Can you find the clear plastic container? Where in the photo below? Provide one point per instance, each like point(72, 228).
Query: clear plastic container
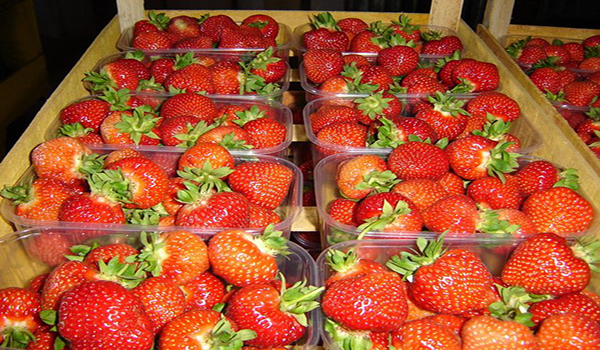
point(284, 41)
point(326, 191)
point(288, 210)
point(521, 128)
point(20, 263)
point(282, 115)
point(300, 30)
point(284, 83)
point(382, 250)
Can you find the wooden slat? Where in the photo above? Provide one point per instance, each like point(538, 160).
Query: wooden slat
point(446, 13)
point(553, 32)
point(130, 11)
point(497, 16)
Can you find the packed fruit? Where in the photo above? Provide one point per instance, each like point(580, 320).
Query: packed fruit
point(181, 120)
point(432, 296)
point(205, 187)
point(163, 291)
point(397, 70)
point(355, 35)
point(237, 74)
point(474, 186)
point(159, 32)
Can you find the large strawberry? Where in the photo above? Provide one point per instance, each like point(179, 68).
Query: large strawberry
point(326, 35)
point(139, 127)
point(476, 76)
point(422, 192)
point(577, 303)
point(418, 160)
point(232, 251)
point(569, 332)
point(40, 200)
point(192, 77)
point(399, 60)
point(189, 103)
point(321, 64)
point(89, 113)
point(263, 183)
point(63, 278)
point(447, 116)
point(213, 26)
point(204, 152)
point(486, 332)
point(19, 316)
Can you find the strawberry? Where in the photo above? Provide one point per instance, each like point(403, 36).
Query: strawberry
point(587, 129)
point(590, 63)
point(398, 60)
point(178, 131)
point(197, 156)
point(161, 68)
point(367, 41)
point(406, 29)
point(377, 76)
point(265, 133)
point(455, 323)
point(581, 93)
point(349, 266)
point(155, 22)
point(392, 133)
point(559, 210)
point(203, 292)
point(455, 213)
point(213, 26)
point(371, 340)
point(40, 200)
point(342, 210)
point(413, 77)
point(358, 177)
point(426, 85)
point(123, 73)
point(575, 303)
point(331, 114)
point(105, 253)
point(546, 79)
point(244, 37)
point(139, 127)
point(261, 217)
point(476, 76)
point(473, 157)
point(321, 64)
point(45, 339)
point(531, 55)
point(199, 329)
point(352, 25)
point(19, 309)
point(422, 192)
point(227, 77)
point(495, 103)
point(184, 26)
point(359, 60)
point(100, 314)
point(504, 222)
point(50, 247)
point(189, 104)
point(536, 176)
point(490, 192)
point(267, 25)
point(569, 332)
point(385, 311)
point(559, 52)
point(388, 212)
point(378, 105)
point(486, 332)
point(89, 113)
point(63, 278)
point(230, 137)
point(263, 183)
point(452, 183)
point(418, 160)
point(447, 116)
point(444, 46)
point(326, 35)
point(412, 335)
point(277, 316)
point(150, 41)
point(191, 78)
point(37, 283)
point(176, 256)
point(342, 134)
point(471, 287)
point(162, 300)
point(552, 266)
point(197, 42)
point(270, 68)
point(65, 159)
point(95, 207)
point(121, 154)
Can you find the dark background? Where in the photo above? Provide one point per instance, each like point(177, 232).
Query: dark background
point(67, 27)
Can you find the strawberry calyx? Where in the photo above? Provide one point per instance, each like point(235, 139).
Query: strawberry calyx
point(382, 30)
point(91, 164)
point(222, 336)
point(263, 59)
point(248, 115)
point(594, 114)
point(591, 51)
point(203, 18)
point(388, 215)
point(160, 20)
point(379, 181)
point(100, 80)
point(182, 61)
point(427, 252)
point(81, 251)
point(16, 337)
point(110, 184)
point(447, 104)
point(128, 274)
point(152, 254)
point(491, 224)
point(338, 236)
point(559, 97)
point(373, 105)
point(74, 130)
point(351, 71)
point(193, 194)
point(194, 132)
point(588, 249)
point(347, 339)
point(146, 217)
point(440, 63)
point(549, 62)
point(431, 35)
point(19, 194)
point(396, 88)
point(149, 84)
point(568, 178)
point(515, 305)
point(230, 142)
point(141, 123)
point(501, 161)
point(272, 242)
point(255, 84)
point(388, 135)
point(299, 299)
point(324, 20)
point(207, 176)
point(404, 22)
point(340, 261)
point(137, 55)
point(116, 98)
point(495, 129)
point(399, 40)
point(515, 49)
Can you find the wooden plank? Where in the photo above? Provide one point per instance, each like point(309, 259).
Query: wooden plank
point(497, 16)
point(130, 11)
point(552, 32)
point(446, 13)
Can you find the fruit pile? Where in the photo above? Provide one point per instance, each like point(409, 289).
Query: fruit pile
point(447, 298)
point(531, 52)
point(159, 32)
point(474, 185)
point(169, 291)
point(395, 70)
point(210, 74)
point(382, 121)
point(355, 35)
point(207, 188)
point(182, 120)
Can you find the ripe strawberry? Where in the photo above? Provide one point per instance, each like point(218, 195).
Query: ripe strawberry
point(244, 37)
point(576, 303)
point(321, 64)
point(161, 68)
point(447, 116)
point(576, 51)
point(44, 339)
point(422, 192)
point(150, 41)
point(105, 253)
point(189, 104)
point(367, 41)
point(559, 210)
point(139, 127)
point(398, 60)
point(341, 335)
point(531, 55)
point(378, 76)
point(263, 183)
point(352, 25)
point(349, 266)
point(444, 46)
point(348, 135)
point(490, 192)
point(277, 316)
point(385, 312)
point(89, 113)
point(100, 314)
point(331, 114)
point(37, 283)
point(471, 287)
point(50, 247)
point(552, 266)
point(412, 77)
point(213, 26)
point(123, 73)
point(536, 176)
point(388, 212)
point(197, 42)
point(457, 214)
point(65, 159)
point(261, 217)
point(358, 177)
point(216, 155)
point(588, 128)
point(326, 35)
point(121, 154)
point(176, 256)
point(504, 222)
point(184, 27)
point(63, 278)
point(91, 208)
point(40, 200)
point(569, 332)
point(359, 61)
point(426, 85)
point(412, 335)
point(495, 103)
point(546, 79)
point(378, 105)
point(270, 68)
point(392, 133)
point(486, 332)
point(162, 300)
point(155, 22)
point(227, 78)
point(476, 76)
point(581, 93)
point(19, 312)
point(230, 137)
point(178, 131)
point(418, 160)
point(267, 25)
point(265, 133)
point(559, 52)
point(342, 210)
point(590, 63)
point(191, 78)
point(452, 183)
point(203, 292)
point(406, 29)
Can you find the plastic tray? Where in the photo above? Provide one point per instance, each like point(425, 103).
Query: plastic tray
point(383, 250)
point(521, 128)
point(284, 82)
point(288, 210)
point(19, 267)
point(326, 191)
point(283, 115)
point(301, 29)
point(284, 41)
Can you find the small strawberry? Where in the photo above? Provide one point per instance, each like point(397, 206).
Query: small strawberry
point(377, 76)
point(447, 116)
point(418, 160)
point(388, 212)
point(457, 214)
point(267, 25)
point(203, 292)
point(19, 312)
point(434, 45)
point(263, 183)
point(342, 210)
point(321, 64)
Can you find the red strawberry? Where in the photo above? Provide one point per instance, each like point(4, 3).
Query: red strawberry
point(531, 55)
point(552, 266)
point(267, 25)
point(576, 303)
point(576, 51)
point(336, 85)
point(161, 68)
point(444, 46)
point(486, 332)
point(263, 183)
point(452, 183)
point(418, 160)
point(213, 26)
point(197, 42)
point(91, 208)
point(162, 300)
point(123, 73)
point(490, 192)
point(367, 41)
point(504, 222)
point(203, 292)
point(422, 192)
point(495, 103)
point(569, 331)
point(41, 200)
point(424, 84)
point(196, 157)
point(393, 133)
point(406, 29)
point(19, 312)
point(455, 213)
point(230, 137)
point(342, 210)
point(326, 35)
point(179, 131)
point(388, 212)
point(184, 27)
point(331, 114)
point(412, 335)
point(63, 278)
point(89, 113)
point(358, 177)
point(261, 217)
point(359, 60)
point(150, 41)
point(536, 176)
point(342, 134)
point(227, 77)
point(191, 78)
point(270, 68)
point(139, 127)
point(265, 133)
point(155, 22)
point(398, 60)
point(546, 79)
point(378, 105)
point(559, 52)
point(447, 116)
point(192, 104)
point(590, 63)
point(321, 64)
point(352, 25)
point(348, 266)
point(581, 93)
point(378, 76)
point(37, 283)
point(476, 76)
point(44, 339)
